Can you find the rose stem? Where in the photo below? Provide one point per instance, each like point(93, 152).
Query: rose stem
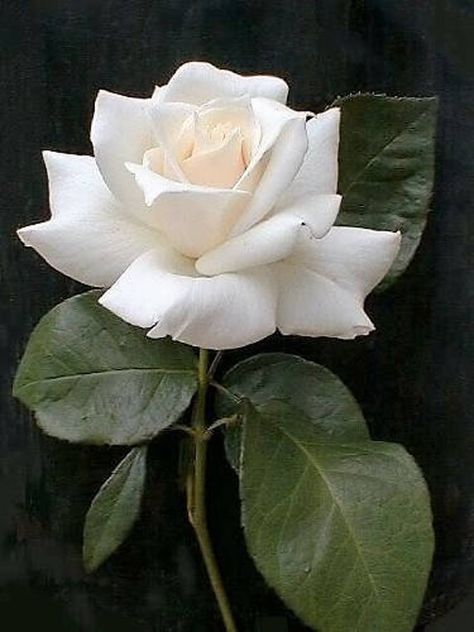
point(196, 492)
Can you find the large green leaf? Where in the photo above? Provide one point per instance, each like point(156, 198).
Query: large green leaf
point(340, 529)
point(305, 387)
point(90, 377)
point(114, 509)
point(386, 166)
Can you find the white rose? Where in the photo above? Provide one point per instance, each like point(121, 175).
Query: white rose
point(208, 212)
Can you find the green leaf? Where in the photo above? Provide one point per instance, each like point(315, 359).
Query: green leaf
point(90, 377)
point(386, 166)
point(305, 387)
point(232, 442)
point(114, 509)
point(340, 529)
point(339, 526)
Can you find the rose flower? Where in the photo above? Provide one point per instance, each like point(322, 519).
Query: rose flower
point(208, 213)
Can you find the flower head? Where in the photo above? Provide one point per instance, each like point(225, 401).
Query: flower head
point(207, 212)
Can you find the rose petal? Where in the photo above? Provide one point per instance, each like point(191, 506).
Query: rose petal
point(221, 167)
point(324, 283)
point(238, 113)
point(121, 131)
point(274, 238)
point(199, 82)
point(279, 156)
point(319, 171)
point(355, 258)
point(154, 159)
point(89, 236)
point(222, 312)
point(168, 120)
point(312, 305)
point(174, 131)
point(195, 219)
point(318, 212)
point(266, 242)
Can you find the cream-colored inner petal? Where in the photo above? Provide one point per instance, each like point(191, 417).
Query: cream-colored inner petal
point(217, 161)
point(213, 147)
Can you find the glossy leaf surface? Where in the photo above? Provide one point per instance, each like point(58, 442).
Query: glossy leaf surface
point(341, 530)
point(386, 166)
point(305, 387)
point(90, 377)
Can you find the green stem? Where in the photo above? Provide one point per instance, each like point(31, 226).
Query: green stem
point(196, 494)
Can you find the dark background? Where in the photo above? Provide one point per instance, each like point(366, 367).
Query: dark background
point(413, 377)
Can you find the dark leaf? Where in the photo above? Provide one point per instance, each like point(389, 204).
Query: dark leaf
point(386, 166)
point(114, 509)
point(304, 387)
point(90, 377)
point(340, 529)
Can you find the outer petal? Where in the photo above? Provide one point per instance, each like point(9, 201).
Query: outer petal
point(222, 312)
point(319, 171)
point(195, 219)
point(281, 151)
point(357, 259)
point(121, 131)
point(89, 237)
point(269, 241)
point(312, 305)
point(318, 212)
point(324, 284)
point(274, 238)
point(198, 82)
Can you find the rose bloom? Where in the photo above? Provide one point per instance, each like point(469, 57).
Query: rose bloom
point(208, 210)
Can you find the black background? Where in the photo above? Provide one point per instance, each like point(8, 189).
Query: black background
point(413, 377)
